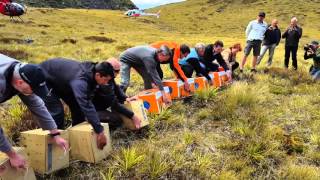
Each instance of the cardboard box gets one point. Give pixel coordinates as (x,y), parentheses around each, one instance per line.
(152,100)
(84,144)
(200,83)
(138,109)
(175,87)
(44,155)
(185,93)
(10,173)
(216,79)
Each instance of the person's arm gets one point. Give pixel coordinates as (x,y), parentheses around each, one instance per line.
(226,57)
(278,36)
(299,30)
(38,108)
(119,93)
(5,146)
(176,67)
(151,67)
(285,34)
(248,29)
(121,109)
(159,70)
(80,91)
(222,62)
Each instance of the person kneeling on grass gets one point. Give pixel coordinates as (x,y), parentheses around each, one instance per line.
(144,59)
(192,62)
(111,96)
(230,56)
(312,50)
(28,82)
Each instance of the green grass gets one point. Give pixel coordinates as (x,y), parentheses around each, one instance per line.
(263,126)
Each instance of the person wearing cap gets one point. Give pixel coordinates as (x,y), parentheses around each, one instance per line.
(75,83)
(255,34)
(271,40)
(28,82)
(111,96)
(292,36)
(230,56)
(179,52)
(313,51)
(145,60)
(213,59)
(192,62)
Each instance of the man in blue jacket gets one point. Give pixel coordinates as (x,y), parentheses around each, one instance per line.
(75,83)
(28,82)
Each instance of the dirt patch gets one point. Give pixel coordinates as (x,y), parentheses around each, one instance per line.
(17,54)
(147,21)
(44,32)
(123,47)
(100,39)
(11,40)
(2,25)
(44,25)
(69,40)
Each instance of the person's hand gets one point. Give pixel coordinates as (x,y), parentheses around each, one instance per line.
(166,100)
(101,140)
(229,74)
(16,160)
(210,82)
(137,122)
(62,143)
(154,86)
(133,98)
(186,86)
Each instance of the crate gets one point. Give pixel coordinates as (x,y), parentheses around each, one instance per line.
(175,87)
(200,83)
(138,109)
(152,100)
(44,155)
(185,93)
(9,173)
(84,144)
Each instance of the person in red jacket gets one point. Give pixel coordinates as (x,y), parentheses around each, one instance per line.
(179,52)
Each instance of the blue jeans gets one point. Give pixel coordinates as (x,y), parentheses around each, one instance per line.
(264,49)
(315,73)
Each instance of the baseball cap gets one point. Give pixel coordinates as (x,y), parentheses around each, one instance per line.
(33,75)
(262,14)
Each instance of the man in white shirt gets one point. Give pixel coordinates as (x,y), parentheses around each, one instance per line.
(255,34)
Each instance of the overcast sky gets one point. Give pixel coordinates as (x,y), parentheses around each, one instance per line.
(144,4)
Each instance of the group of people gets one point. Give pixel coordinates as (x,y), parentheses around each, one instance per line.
(91,92)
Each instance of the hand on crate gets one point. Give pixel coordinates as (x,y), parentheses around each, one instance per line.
(187,86)
(154,86)
(101,140)
(62,143)
(166,100)
(137,122)
(16,160)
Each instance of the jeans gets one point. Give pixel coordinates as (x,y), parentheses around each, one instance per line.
(293,50)
(125,76)
(264,49)
(315,73)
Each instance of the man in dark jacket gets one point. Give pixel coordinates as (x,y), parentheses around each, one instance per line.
(75,83)
(292,36)
(213,53)
(28,82)
(111,96)
(271,40)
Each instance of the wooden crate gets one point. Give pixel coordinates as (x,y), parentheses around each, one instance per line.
(45,156)
(138,109)
(9,173)
(185,93)
(152,100)
(175,87)
(84,144)
(200,83)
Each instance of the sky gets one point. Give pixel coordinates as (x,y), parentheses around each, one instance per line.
(145,4)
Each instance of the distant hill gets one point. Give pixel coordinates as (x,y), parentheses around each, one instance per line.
(91,4)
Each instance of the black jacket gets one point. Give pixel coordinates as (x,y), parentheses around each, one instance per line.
(72,78)
(111,96)
(272,36)
(209,57)
(292,36)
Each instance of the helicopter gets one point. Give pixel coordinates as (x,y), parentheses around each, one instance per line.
(139,13)
(12,9)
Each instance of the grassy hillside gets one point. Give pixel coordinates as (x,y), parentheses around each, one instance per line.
(264,126)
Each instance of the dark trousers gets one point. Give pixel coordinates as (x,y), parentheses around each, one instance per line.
(235,66)
(293,50)
(55,108)
(187,70)
(112,118)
